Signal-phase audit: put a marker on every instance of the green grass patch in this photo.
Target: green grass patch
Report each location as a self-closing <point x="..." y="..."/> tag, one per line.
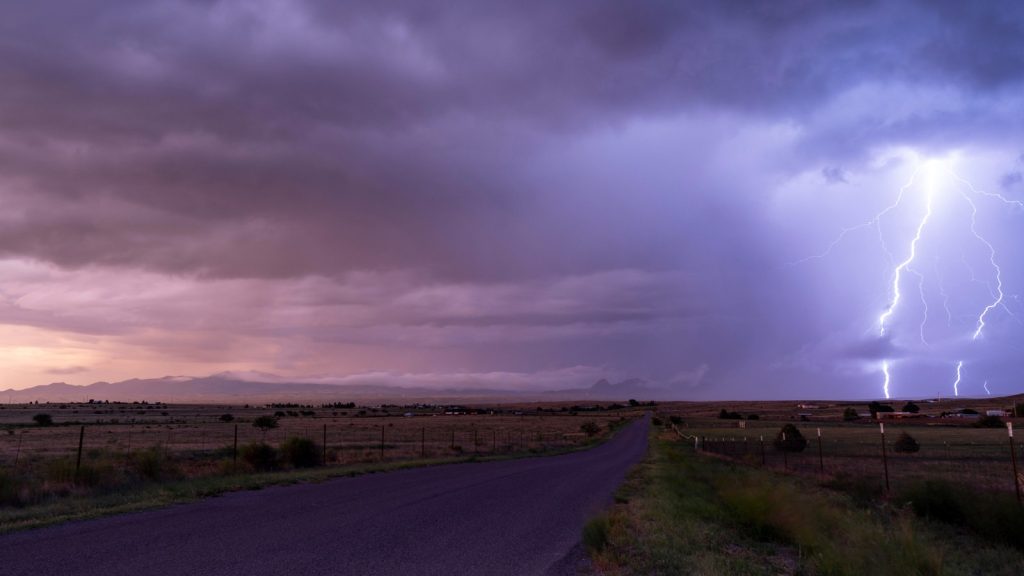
<point x="685" y="513"/>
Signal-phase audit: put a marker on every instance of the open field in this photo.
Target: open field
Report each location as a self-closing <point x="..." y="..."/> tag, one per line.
<point x="352" y="434"/>
<point x="129" y="449"/>
<point x="951" y="448"/>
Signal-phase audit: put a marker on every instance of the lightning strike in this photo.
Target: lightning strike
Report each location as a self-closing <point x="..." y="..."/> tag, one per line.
<point x="998" y="301"/>
<point x="959" y="376"/>
<point x="885" y="383"/>
<point x="874" y="222"/>
<point x="987" y="391"/>
<point x="933" y="170"/>
<point x="897" y="275"/>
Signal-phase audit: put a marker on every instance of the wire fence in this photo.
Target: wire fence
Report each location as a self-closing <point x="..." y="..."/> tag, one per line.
<point x="984" y="459"/>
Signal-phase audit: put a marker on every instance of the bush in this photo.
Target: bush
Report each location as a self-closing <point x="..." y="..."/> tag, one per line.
<point x="595" y="533"/>
<point x="43" y="420"/>
<point x="590" y="428"/>
<point x="265" y="423"/>
<point x="726" y="415"/>
<point x="657" y="421"/>
<point x="300" y="452"/>
<point x="876" y="407"/>
<point x="259" y="455"/>
<point x="911" y="407"/>
<point x="906" y="444"/>
<point x="227" y="418"/>
<point x="789" y="439"/>
<point x="754" y="417"/>
<point x="850" y="414"/>
<point x="153" y="463"/>
<point x="677" y="420"/>
<point x="989" y="422"/>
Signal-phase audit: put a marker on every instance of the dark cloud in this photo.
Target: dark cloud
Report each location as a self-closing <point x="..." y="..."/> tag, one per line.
<point x="619" y="166"/>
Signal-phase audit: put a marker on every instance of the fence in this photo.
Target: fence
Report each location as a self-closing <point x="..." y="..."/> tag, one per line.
<point x="983" y="458"/>
<point x="342" y="440"/>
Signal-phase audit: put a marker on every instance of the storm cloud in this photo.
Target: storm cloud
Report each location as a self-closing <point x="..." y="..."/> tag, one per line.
<point x="604" y="188"/>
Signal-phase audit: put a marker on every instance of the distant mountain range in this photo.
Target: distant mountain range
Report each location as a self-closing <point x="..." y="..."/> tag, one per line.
<point x="231" y="388"/>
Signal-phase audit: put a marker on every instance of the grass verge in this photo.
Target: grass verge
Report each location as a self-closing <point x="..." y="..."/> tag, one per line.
<point x="682" y="513"/>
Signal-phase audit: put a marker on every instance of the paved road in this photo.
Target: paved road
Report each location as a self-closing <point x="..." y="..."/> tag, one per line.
<point x="514" y="517"/>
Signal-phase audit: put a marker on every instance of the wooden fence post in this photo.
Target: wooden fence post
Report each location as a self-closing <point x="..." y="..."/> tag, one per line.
<point x="78" y="462"/>
<point x="1013" y="458"/>
<point x="885" y="459"/>
<point x="821" y="458"/>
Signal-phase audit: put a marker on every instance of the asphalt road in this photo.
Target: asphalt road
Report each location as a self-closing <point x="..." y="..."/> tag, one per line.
<point x="515" y="517"/>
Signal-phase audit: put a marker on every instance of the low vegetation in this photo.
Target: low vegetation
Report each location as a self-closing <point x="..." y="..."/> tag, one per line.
<point x="682" y="512"/>
<point x="39" y="488"/>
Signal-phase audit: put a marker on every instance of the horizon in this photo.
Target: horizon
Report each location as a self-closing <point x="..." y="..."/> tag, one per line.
<point x="726" y="202"/>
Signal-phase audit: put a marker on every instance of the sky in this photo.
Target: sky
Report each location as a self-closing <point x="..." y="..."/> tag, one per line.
<point x="530" y="195"/>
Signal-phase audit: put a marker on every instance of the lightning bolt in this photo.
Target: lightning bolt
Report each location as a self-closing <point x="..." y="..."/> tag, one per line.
<point x="888" y="378"/>
<point x="987" y="391"/>
<point x="959" y="376"/>
<point x="999" y="295"/>
<point x="906" y="266"/>
<point x="897" y="275"/>
<point x="875" y="222"/>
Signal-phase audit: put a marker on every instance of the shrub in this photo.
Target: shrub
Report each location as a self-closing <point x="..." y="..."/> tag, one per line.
<point x="590" y="428"/>
<point x="850" y="414"/>
<point x="657" y="421"/>
<point x="226" y="418"/>
<point x="12" y="489"/>
<point x="906" y="444"/>
<point x="789" y="439"/>
<point x="754" y="417"/>
<point x="677" y="420"/>
<point x="989" y="422"/>
<point x="265" y="423"/>
<point x="300" y="452"/>
<point x="259" y="455"/>
<point x="153" y="463"/>
<point x="595" y="533"/>
<point x="911" y="407"/>
<point x="43" y="420"/>
<point x="726" y="415"/>
<point x="876" y="407"/>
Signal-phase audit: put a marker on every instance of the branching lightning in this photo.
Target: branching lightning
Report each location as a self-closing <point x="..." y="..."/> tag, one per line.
<point x="934" y="171"/>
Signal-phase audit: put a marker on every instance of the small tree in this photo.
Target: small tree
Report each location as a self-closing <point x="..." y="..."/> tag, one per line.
<point x="989" y="422"/>
<point x="850" y="414"/>
<point x="264" y="423"/>
<point x="876" y="407"/>
<point x="43" y="420"/>
<point x="906" y="444"/>
<point x="911" y="407"/>
<point x="227" y="418"/>
<point x="789" y="439"/>
<point x="590" y="429"/>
